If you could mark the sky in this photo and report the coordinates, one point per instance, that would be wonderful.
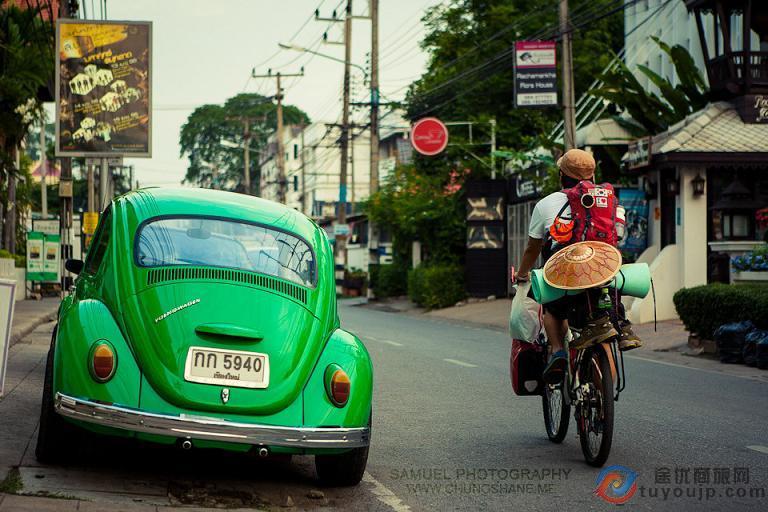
(204, 51)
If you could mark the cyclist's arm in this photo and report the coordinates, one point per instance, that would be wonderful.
(531, 254)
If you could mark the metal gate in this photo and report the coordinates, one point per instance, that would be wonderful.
(518, 219)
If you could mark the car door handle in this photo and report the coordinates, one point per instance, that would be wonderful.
(230, 331)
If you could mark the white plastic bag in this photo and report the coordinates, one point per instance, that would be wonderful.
(525, 316)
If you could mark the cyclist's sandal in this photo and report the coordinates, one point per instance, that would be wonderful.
(594, 332)
(553, 373)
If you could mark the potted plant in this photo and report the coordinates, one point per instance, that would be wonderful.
(751, 267)
(355, 282)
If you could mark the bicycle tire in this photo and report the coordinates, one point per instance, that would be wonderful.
(603, 382)
(557, 428)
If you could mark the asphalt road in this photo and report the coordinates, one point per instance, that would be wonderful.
(449, 433)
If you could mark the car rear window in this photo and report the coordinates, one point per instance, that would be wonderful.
(202, 241)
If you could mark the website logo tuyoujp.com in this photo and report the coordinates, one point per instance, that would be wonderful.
(618, 484)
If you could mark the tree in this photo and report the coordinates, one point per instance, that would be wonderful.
(470, 73)
(470, 77)
(26, 66)
(648, 112)
(416, 204)
(216, 165)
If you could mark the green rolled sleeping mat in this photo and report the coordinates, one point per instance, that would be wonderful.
(633, 279)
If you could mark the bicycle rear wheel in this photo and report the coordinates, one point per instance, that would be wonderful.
(595, 411)
(557, 411)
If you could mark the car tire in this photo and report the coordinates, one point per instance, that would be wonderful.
(344, 470)
(55, 435)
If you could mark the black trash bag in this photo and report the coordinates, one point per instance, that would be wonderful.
(749, 352)
(761, 348)
(730, 340)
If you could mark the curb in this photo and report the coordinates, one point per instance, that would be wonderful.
(28, 329)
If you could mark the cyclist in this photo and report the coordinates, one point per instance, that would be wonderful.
(576, 166)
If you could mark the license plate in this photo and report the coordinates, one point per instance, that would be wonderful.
(234, 368)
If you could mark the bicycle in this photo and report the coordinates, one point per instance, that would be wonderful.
(590, 379)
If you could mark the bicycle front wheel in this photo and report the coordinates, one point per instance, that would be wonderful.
(557, 411)
(595, 410)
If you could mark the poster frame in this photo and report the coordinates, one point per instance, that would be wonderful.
(102, 154)
(5, 342)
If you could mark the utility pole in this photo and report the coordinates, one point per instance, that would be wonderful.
(247, 155)
(281, 179)
(373, 234)
(352, 173)
(493, 148)
(280, 149)
(91, 199)
(340, 258)
(103, 184)
(43, 169)
(65, 203)
(303, 174)
(569, 125)
(374, 180)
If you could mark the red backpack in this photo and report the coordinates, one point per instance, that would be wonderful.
(593, 215)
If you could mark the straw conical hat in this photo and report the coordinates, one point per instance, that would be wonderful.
(582, 265)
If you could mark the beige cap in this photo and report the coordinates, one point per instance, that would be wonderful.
(577, 164)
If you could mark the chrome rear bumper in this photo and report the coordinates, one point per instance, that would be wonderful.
(214, 429)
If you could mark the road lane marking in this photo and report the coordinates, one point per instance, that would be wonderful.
(758, 448)
(460, 363)
(705, 370)
(388, 342)
(384, 495)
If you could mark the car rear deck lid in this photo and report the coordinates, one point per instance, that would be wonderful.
(229, 331)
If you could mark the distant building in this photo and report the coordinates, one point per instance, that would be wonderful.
(312, 170)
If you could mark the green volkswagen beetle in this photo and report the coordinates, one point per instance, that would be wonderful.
(208, 319)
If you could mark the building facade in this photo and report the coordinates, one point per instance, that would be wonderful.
(705, 178)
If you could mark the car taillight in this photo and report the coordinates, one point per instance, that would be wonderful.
(103, 362)
(337, 385)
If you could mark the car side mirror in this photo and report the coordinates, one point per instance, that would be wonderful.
(74, 266)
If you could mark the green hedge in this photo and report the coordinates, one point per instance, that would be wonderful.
(436, 286)
(20, 260)
(705, 308)
(387, 280)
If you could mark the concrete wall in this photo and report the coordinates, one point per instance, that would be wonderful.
(682, 265)
(665, 271)
(357, 257)
(9, 271)
(692, 231)
(21, 283)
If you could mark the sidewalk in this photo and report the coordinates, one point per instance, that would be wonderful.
(29, 314)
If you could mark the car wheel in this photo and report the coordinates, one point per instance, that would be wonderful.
(342, 470)
(55, 435)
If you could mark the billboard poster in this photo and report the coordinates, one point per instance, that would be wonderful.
(103, 88)
(535, 74)
(636, 214)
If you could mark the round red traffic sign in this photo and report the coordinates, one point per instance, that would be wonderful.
(429, 136)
